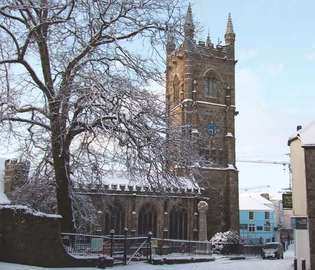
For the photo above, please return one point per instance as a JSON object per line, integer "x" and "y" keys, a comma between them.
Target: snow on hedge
{"x": 228, "y": 237}
{"x": 220, "y": 239}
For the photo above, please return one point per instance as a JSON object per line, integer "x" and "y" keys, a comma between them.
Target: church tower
{"x": 200, "y": 100}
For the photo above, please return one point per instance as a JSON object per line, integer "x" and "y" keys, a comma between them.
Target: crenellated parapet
{"x": 223, "y": 51}
{"x": 136, "y": 190}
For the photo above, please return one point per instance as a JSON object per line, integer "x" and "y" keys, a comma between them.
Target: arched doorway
{"x": 147, "y": 220}
{"x": 178, "y": 223}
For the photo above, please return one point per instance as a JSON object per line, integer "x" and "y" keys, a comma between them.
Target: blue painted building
{"x": 257, "y": 219}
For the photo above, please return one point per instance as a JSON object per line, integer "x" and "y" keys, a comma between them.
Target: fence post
{"x": 150, "y": 247}
{"x": 112, "y": 232}
{"x": 295, "y": 264}
{"x": 303, "y": 264}
{"x": 125, "y": 245}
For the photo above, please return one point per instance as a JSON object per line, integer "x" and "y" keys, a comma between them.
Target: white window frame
{"x": 251, "y": 227}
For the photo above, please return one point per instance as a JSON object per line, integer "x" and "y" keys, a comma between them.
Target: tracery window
{"x": 147, "y": 221}
{"x": 107, "y": 222}
{"x": 116, "y": 219}
{"x": 211, "y": 86}
{"x": 178, "y": 223}
{"x": 176, "y": 89}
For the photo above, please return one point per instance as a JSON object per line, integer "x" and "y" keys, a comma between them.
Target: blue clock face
{"x": 212, "y": 129}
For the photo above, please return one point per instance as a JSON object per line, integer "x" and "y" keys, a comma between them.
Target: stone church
{"x": 200, "y": 102}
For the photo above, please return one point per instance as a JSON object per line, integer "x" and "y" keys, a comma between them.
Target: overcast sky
{"x": 275, "y": 77}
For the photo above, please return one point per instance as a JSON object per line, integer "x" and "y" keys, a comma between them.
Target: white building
{"x": 257, "y": 219}
{"x": 302, "y": 155}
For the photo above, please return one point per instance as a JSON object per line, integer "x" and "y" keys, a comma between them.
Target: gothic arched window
{"x": 147, "y": 220}
{"x": 211, "y": 86}
{"x": 176, "y": 89}
{"x": 178, "y": 223}
{"x": 107, "y": 222}
{"x": 117, "y": 218}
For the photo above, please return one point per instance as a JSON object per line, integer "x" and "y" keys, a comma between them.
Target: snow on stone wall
{"x": 3, "y": 198}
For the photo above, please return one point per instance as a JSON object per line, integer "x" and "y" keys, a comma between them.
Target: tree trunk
{"x": 64, "y": 201}
{"x": 61, "y": 158}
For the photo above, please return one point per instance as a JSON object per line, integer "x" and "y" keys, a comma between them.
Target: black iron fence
{"x": 125, "y": 249}
{"x": 180, "y": 248}
{"x": 120, "y": 247}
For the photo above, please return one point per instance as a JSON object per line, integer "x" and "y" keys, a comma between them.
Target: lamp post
{"x": 125, "y": 245}
{"x": 112, "y": 232}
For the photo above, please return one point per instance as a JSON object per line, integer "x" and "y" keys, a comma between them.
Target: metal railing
{"x": 120, "y": 247}
{"x": 124, "y": 249}
{"x": 176, "y": 248}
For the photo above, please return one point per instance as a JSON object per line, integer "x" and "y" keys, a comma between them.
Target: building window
{"x": 250, "y": 215}
{"x": 116, "y": 219}
{"x": 267, "y": 227}
{"x": 178, "y": 223}
{"x": 259, "y": 228}
{"x": 176, "y": 89}
{"x": 221, "y": 156}
{"x": 267, "y": 215}
{"x": 211, "y": 87}
{"x": 204, "y": 155}
{"x": 214, "y": 155}
{"x": 147, "y": 220}
{"x": 243, "y": 226}
{"x": 251, "y": 227}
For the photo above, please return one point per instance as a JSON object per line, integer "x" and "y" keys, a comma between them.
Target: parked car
{"x": 272, "y": 250}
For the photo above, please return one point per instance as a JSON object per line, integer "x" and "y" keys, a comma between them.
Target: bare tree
{"x": 72, "y": 78}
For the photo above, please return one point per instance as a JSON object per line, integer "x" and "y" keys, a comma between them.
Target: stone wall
{"x": 33, "y": 238}
{"x": 15, "y": 174}
{"x": 310, "y": 195}
{"x": 221, "y": 186}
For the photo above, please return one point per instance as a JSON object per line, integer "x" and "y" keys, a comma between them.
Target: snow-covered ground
{"x": 219, "y": 264}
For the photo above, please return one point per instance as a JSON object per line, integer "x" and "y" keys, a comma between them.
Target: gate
{"x": 121, "y": 248}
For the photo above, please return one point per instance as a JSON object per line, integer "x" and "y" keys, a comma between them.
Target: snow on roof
{"x": 254, "y": 201}
{"x": 306, "y": 135}
{"x": 275, "y": 196}
{"x": 120, "y": 177}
